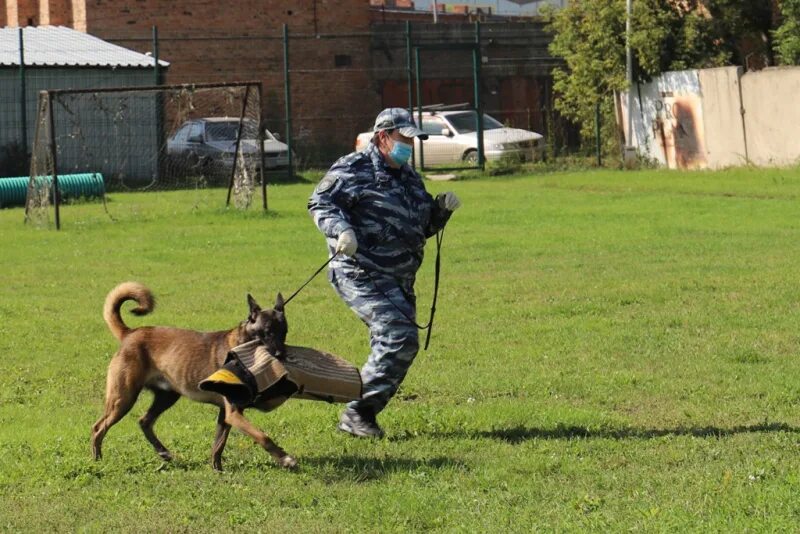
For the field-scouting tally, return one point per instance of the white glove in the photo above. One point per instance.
(347, 243)
(449, 201)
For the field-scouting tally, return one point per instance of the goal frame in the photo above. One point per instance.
(249, 86)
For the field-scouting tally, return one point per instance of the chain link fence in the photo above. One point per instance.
(321, 90)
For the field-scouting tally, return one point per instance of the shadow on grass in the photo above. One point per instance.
(361, 469)
(520, 434)
(329, 467)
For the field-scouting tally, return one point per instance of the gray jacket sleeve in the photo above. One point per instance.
(330, 203)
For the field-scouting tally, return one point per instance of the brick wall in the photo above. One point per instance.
(36, 12)
(386, 14)
(339, 82)
(330, 103)
(213, 16)
(515, 68)
(59, 12)
(456, 15)
(209, 41)
(346, 64)
(28, 13)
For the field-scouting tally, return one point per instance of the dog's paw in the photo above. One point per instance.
(288, 462)
(165, 455)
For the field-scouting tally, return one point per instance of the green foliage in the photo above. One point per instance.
(590, 37)
(594, 56)
(507, 164)
(787, 36)
(613, 352)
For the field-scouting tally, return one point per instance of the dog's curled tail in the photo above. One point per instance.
(124, 292)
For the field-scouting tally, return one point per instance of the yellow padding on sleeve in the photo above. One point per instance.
(224, 376)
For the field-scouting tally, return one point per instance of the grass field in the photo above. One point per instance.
(613, 351)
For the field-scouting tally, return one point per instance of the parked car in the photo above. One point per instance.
(276, 152)
(207, 145)
(452, 139)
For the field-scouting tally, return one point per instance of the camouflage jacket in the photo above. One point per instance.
(390, 212)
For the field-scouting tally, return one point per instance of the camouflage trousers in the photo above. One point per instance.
(394, 340)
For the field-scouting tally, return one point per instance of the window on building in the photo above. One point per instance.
(342, 60)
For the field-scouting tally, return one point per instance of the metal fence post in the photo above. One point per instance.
(262, 173)
(419, 105)
(159, 107)
(410, 74)
(476, 76)
(23, 111)
(53, 156)
(597, 134)
(287, 99)
(156, 74)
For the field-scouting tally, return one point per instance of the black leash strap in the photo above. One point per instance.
(429, 325)
(310, 278)
(438, 266)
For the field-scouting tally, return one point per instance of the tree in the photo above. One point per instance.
(589, 35)
(787, 36)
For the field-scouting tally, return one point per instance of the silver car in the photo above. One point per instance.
(208, 145)
(452, 139)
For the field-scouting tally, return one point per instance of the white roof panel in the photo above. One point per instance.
(58, 46)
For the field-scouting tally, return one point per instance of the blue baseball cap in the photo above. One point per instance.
(398, 119)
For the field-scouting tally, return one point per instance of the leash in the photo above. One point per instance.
(429, 325)
(311, 278)
(437, 269)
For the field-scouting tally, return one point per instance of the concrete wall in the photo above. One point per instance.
(668, 120)
(693, 119)
(772, 115)
(723, 119)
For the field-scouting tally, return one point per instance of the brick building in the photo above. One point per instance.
(347, 58)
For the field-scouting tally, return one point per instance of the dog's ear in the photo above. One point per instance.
(279, 303)
(255, 309)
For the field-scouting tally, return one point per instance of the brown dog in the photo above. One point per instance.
(171, 362)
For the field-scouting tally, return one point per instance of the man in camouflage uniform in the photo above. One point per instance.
(375, 213)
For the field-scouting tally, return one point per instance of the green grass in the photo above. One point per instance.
(613, 351)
